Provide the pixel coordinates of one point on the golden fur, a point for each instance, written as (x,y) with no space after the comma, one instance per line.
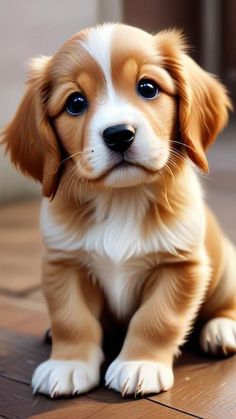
(46,144)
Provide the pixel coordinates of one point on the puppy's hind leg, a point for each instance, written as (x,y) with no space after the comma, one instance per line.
(218,336)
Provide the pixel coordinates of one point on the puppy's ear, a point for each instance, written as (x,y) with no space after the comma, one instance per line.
(203,100)
(29,137)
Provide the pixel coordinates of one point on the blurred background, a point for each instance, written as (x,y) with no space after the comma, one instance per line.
(31,27)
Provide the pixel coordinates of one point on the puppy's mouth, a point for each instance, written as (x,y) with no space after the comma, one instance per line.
(123,164)
(123,171)
(126,164)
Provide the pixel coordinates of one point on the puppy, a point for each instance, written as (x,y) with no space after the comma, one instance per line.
(112,126)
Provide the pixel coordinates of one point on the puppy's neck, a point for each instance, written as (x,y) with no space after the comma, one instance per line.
(168,195)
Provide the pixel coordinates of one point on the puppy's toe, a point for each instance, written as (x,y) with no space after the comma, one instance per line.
(218,336)
(139,377)
(83,379)
(57,378)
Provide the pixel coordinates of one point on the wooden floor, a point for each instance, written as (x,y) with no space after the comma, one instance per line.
(204,388)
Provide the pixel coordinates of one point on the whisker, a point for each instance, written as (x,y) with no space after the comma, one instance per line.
(170,172)
(173,163)
(72,177)
(67,178)
(177,154)
(183,144)
(76,154)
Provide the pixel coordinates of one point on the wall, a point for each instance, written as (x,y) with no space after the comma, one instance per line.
(155,15)
(229,46)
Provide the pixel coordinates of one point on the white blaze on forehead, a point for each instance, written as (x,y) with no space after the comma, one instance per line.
(98,45)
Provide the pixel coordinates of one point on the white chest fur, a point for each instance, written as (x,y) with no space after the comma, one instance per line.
(117,254)
(121,282)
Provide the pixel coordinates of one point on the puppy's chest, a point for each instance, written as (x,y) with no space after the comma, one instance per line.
(121,282)
(118,261)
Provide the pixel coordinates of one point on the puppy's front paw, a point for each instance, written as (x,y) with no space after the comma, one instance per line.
(218,336)
(57,378)
(139,377)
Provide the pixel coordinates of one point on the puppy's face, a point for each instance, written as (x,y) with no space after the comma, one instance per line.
(114,107)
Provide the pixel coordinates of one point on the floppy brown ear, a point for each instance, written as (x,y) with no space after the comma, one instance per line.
(29,137)
(203,100)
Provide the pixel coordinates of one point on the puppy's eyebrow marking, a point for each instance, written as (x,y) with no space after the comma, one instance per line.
(98,45)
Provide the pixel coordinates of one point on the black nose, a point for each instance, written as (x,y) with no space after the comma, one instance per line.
(119,137)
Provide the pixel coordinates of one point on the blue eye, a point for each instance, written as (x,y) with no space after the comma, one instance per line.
(76,104)
(148,88)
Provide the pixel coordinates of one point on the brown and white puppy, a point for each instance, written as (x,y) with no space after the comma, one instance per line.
(111,126)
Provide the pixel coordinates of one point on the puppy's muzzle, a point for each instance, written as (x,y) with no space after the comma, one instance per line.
(119,137)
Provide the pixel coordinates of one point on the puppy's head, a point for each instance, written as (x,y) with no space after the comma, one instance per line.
(114,107)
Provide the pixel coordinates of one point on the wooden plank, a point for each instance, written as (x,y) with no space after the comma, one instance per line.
(24,315)
(137,409)
(205,387)
(107,396)
(20,354)
(132,409)
(17,402)
(37,297)
(33,301)
(20,247)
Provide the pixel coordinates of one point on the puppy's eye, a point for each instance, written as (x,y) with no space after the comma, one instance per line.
(76,104)
(148,88)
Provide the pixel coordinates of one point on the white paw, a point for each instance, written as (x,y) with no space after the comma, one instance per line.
(64,378)
(139,377)
(219,336)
